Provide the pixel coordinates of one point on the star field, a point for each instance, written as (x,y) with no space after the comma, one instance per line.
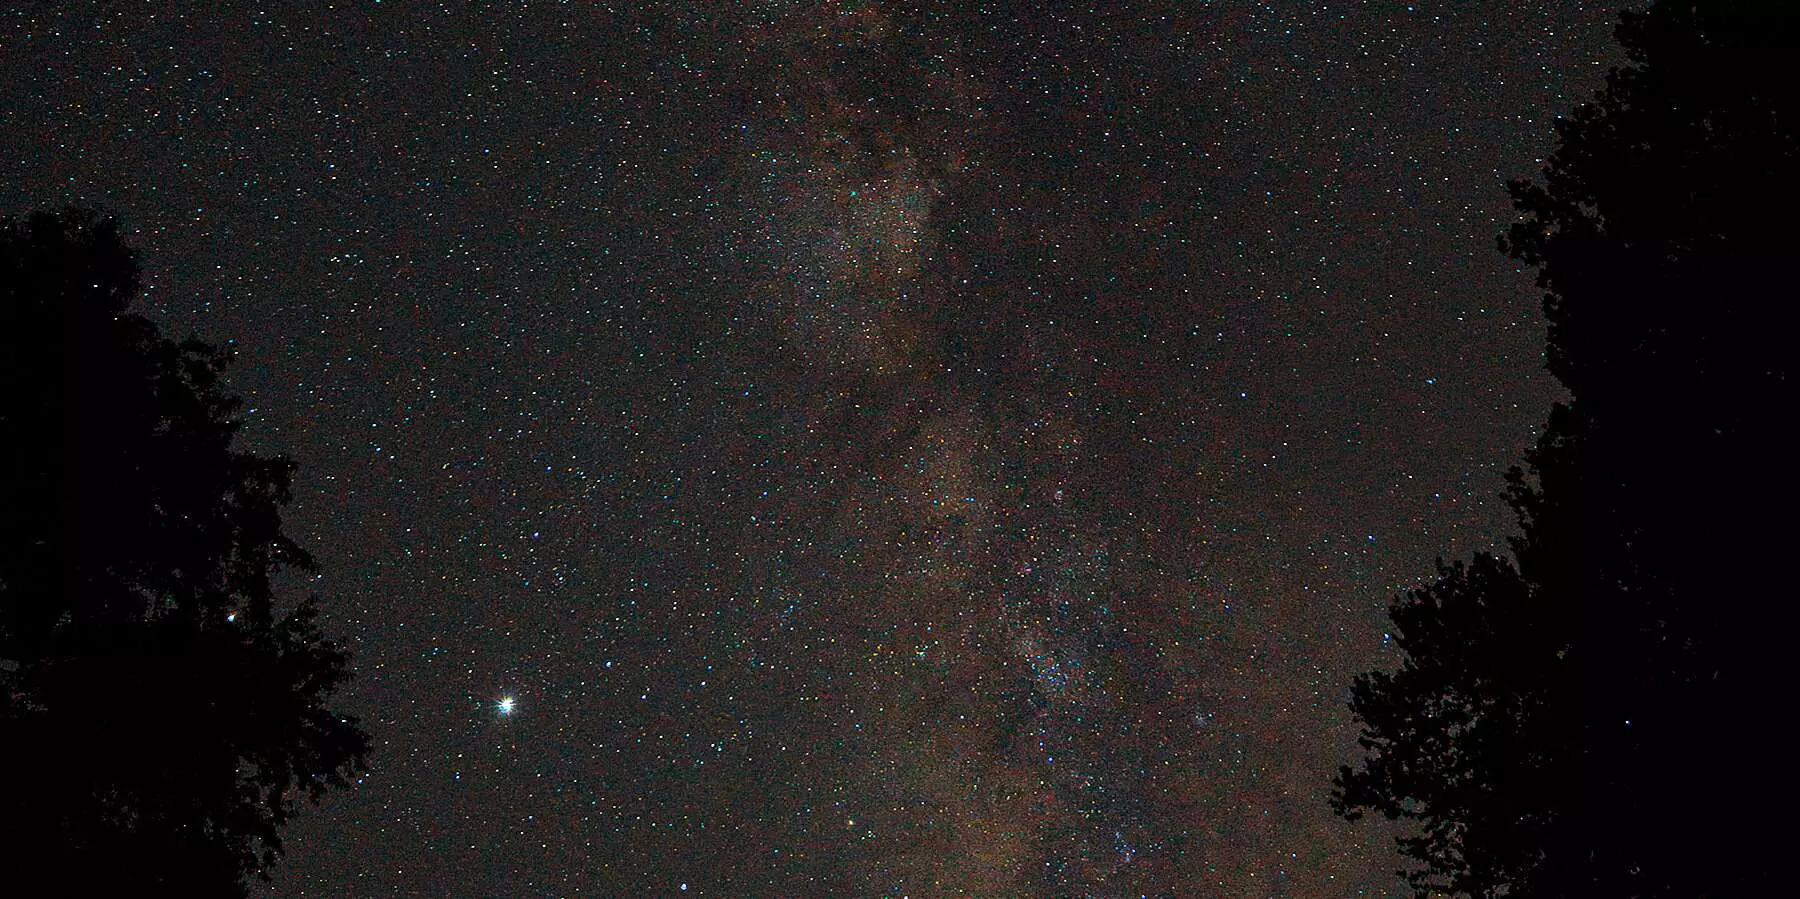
(839,449)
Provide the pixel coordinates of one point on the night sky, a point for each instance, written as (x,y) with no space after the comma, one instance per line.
(838,449)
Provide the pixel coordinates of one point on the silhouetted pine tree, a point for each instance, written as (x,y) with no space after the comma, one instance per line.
(158,715)
(1604,719)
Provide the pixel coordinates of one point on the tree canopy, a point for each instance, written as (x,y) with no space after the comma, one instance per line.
(160,711)
(1599,716)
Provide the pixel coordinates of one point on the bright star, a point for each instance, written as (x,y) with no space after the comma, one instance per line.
(505,705)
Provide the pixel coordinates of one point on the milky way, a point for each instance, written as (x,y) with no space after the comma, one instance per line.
(840,449)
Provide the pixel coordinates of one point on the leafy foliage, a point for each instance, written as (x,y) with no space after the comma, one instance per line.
(1601,720)
(158,717)
(1456,752)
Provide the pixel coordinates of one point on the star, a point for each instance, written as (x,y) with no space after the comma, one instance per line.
(505,705)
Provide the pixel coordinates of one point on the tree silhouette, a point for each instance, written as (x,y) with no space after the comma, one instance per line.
(159,716)
(1601,719)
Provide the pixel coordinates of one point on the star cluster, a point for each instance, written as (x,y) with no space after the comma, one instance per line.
(884,449)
